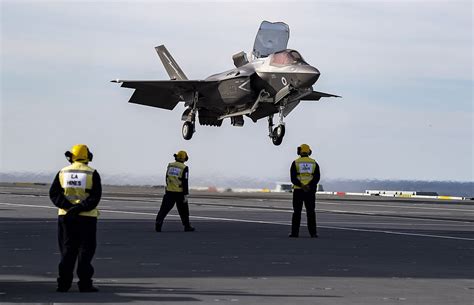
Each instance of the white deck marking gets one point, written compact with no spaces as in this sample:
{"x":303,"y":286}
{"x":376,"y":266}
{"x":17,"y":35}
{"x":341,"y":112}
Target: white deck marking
{"x":395,"y":206}
{"x":257,"y":221}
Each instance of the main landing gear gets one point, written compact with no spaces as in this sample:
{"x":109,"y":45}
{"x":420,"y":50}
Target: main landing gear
{"x":188,"y":130}
{"x":189,"y":116}
{"x":277,"y":133}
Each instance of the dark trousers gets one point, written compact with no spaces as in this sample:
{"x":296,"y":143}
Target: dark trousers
{"x":309,"y":200}
{"x":169,"y":199}
{"x":77,"y":241}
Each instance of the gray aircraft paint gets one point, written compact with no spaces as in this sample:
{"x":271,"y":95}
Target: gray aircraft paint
{"x":274,"y":81}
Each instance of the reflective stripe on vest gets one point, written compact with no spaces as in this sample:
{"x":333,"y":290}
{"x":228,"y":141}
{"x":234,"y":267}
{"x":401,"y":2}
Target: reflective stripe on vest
{"x":174,"y":177}
{"x":305,"y":167}
{"x":76,"y":180}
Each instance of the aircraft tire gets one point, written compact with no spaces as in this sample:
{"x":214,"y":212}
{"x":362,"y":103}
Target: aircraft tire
{"x":280,"y":131}
{"x":187,"y":130}
{"x":278,"y":134}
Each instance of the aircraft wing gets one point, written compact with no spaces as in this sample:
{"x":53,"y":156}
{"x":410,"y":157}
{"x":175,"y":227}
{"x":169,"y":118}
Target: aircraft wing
{"x":164,"y":94}
{"x":316,"y":95}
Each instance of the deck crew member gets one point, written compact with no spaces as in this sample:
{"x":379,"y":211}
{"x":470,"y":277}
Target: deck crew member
{"x":76,"y":191}
{"x":177,"y":191}
{"x":305,"y":176}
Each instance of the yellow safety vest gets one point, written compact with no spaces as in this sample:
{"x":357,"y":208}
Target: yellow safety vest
{"x":76,"y":180}
{"x":305,"y":167}
{"x":174,"y":176}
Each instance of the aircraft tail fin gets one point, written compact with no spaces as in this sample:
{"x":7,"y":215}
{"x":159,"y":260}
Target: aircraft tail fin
{"x":174,"y":71}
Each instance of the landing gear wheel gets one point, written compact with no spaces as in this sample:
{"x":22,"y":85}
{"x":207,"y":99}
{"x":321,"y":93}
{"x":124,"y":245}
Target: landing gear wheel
{"x":280,"y":131}
{"x":187,"y":130}
{"x":278,"y":134}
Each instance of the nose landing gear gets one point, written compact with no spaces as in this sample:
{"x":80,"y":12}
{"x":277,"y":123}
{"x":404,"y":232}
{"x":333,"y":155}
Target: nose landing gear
{"x":277,"y":133}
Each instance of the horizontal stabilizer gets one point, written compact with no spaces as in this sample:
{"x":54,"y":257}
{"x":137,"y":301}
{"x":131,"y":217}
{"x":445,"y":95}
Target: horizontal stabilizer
{"x":164,"y":99}
{"x":181,"y":85}
{"x":164,"y":94}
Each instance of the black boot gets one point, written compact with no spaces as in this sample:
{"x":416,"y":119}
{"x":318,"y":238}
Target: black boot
{"x":63,"y":288}
{"x":88,"y":289}
{"x":158,"y":226}
{"x":86,"y":286}
{"x":188,"y":228}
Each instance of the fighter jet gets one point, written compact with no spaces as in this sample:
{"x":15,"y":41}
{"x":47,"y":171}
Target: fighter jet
{"x":274,"y":81}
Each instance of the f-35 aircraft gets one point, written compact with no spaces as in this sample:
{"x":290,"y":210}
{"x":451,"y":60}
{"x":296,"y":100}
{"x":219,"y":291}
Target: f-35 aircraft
{"x":273,"y":82}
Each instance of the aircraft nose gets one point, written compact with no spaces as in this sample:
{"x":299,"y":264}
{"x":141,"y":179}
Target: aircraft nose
{"x":308,"y":76}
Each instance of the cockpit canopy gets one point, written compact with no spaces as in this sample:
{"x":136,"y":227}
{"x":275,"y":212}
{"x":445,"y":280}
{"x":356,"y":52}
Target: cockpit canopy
{"x":271,"y":37}
{"x":286,"y":57}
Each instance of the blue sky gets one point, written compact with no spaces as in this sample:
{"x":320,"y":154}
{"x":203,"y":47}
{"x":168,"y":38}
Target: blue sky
{"x":404,"y":69}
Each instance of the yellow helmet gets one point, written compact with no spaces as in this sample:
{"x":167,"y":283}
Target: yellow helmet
{"x":304,"y":149}
{"x":79,"y":153}
{"x":181,"y":156}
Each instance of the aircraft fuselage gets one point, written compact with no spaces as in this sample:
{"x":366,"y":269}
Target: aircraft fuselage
{"x":239,"y":87}
{"x":274,"y":81}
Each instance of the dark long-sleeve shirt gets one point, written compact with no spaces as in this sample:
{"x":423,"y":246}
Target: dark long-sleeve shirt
{"x":313,"y":184}
{"x":184,"y":181}
{"x":56,"y":194}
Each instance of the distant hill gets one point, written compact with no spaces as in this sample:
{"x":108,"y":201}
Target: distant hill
{"x":448,"y":188}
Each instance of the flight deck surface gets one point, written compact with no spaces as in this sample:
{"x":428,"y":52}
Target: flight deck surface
{"x":371,"y":250}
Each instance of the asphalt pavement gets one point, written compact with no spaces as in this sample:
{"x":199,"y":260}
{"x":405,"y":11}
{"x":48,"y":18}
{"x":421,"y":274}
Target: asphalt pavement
{"x":370,"y":251}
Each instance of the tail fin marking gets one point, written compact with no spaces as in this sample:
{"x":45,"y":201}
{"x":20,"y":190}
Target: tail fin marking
{"x":174,"y":71}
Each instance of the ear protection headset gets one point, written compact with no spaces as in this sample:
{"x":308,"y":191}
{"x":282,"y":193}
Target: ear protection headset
{"x":298,"y":151}
{"x":185,"y":159}
{"x":68,"y":155}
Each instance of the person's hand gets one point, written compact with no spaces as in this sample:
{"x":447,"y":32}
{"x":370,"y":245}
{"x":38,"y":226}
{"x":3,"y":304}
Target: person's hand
{"x":185,"y":200}
{"x":305,"y":188}
{"x":73,"y":212}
